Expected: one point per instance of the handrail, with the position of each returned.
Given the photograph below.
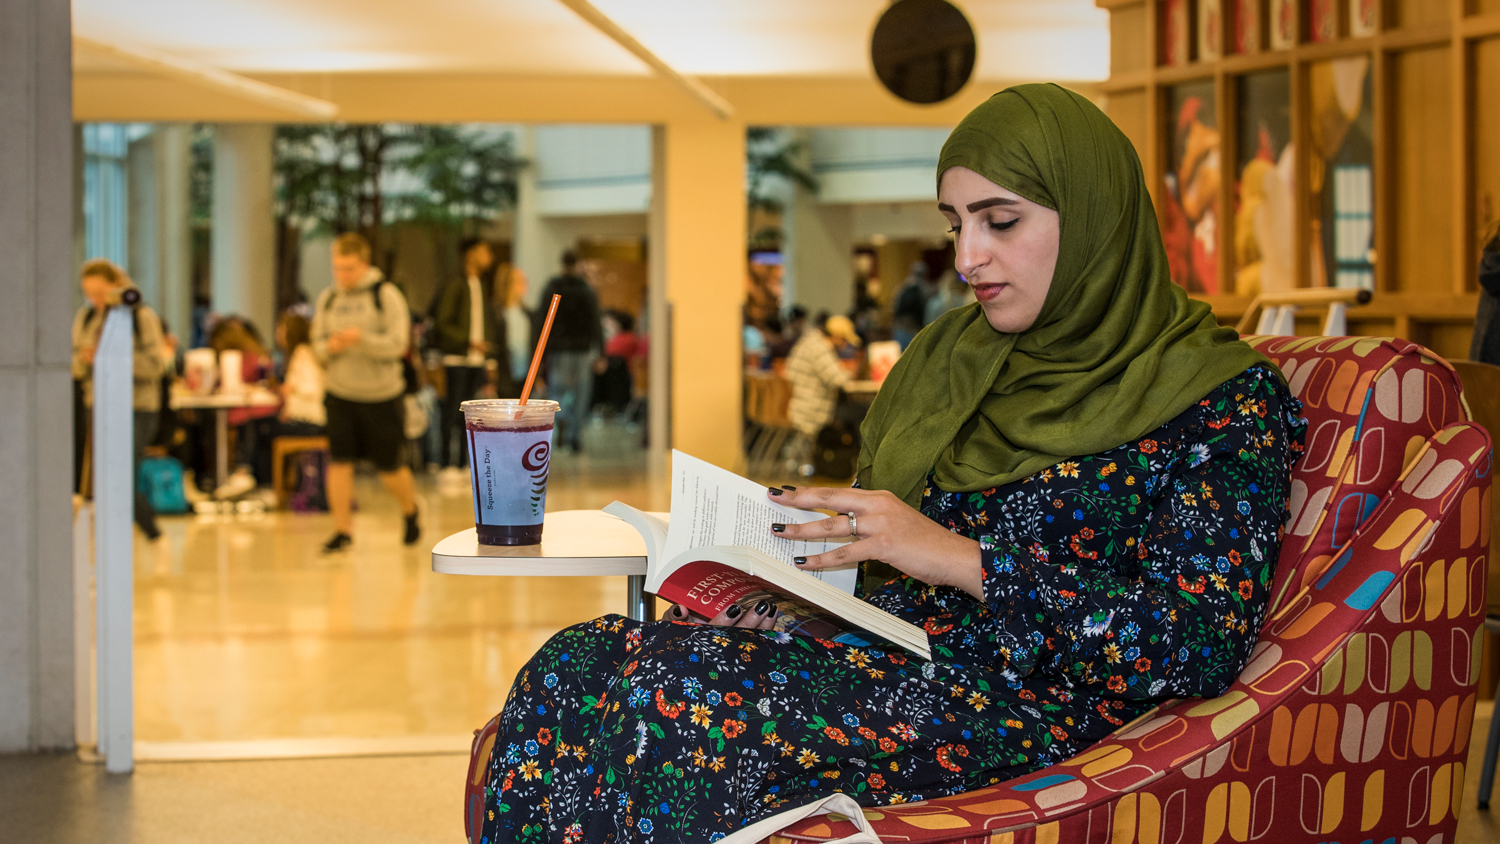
(1305, 296)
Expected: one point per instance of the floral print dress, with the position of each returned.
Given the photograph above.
(1111, 581)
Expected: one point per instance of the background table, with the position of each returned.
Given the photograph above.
(221, 404)
(575, 543)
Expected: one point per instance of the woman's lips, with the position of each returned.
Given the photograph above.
(986, 292)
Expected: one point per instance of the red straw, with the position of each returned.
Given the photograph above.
(541, 343)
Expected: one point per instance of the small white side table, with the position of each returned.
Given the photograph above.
(575, 543)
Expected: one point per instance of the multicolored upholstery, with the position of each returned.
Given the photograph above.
(1351, 720)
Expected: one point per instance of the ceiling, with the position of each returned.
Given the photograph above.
(1064, 40)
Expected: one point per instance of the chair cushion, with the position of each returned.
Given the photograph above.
(1371, 403)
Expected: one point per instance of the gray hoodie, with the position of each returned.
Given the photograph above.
(370, 370)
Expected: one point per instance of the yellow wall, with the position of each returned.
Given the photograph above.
(703, 206)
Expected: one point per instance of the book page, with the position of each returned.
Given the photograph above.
(712, 506)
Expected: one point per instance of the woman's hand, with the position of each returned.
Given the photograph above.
(889, 531)
(760, 617)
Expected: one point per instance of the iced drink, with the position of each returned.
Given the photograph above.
(510, 451)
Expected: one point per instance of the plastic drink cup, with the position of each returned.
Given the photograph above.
(510, 451)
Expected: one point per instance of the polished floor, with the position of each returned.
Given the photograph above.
(58, 800)
(244, 632)
(247, 638)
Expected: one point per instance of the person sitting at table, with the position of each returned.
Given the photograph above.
(239, 334)
(103, 282)
(301, 413)
(1081, 477)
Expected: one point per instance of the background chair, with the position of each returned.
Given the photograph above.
(283, 448)
(1351, 720)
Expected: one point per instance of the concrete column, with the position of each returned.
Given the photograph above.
(174, 239)
(244, 236)
(820, 255)
(528, 242)
(36, 282)
(141, 219)
(701, 163)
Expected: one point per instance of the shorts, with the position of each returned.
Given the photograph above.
(362, 430)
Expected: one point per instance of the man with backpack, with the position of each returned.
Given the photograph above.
(360, 333)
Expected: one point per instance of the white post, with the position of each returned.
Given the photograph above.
(114, 499)
(85, 719)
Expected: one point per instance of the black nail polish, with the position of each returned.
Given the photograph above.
(774, 490)
(777, 528)
(801, 561)
(763, 608)
(733, 611)
(789, 486)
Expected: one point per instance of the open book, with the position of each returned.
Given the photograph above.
(717, 549)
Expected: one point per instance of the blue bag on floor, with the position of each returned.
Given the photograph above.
(160, 481)
(309, 494)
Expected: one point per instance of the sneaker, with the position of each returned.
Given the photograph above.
(235, 485)
(413, 530)
(339, 542)
(190, 491)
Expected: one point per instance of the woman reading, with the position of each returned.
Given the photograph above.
(1081, 478)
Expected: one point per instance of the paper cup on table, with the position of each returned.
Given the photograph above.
(510, 451)
(231, 372)
(200, 368)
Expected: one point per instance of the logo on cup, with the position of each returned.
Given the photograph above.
(537, 460)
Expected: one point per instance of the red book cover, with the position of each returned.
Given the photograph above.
(708, 588)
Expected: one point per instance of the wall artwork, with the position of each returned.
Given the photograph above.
(1361, 18)
(1175, 36)
(1210, 29)
(1341, 177)
(1322, 20)
(1247, 26)
(1190, 213)
(1263, 184)
(1282, 24)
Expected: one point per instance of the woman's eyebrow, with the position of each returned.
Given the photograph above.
(980, 205)
(992, 201)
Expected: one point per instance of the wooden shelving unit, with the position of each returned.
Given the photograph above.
(1434, 174)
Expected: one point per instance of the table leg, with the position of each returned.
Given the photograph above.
(638, 605)
(221, 446)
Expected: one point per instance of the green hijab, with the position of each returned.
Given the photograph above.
(1117, 351)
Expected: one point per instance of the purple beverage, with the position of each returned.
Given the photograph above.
(510, 451)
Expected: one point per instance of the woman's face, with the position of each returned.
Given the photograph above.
(1006, 247)
(96, 289)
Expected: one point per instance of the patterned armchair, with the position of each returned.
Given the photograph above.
(1351, 720)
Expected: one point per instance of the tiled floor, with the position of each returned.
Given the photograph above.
(414, 800)
(244, 632)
